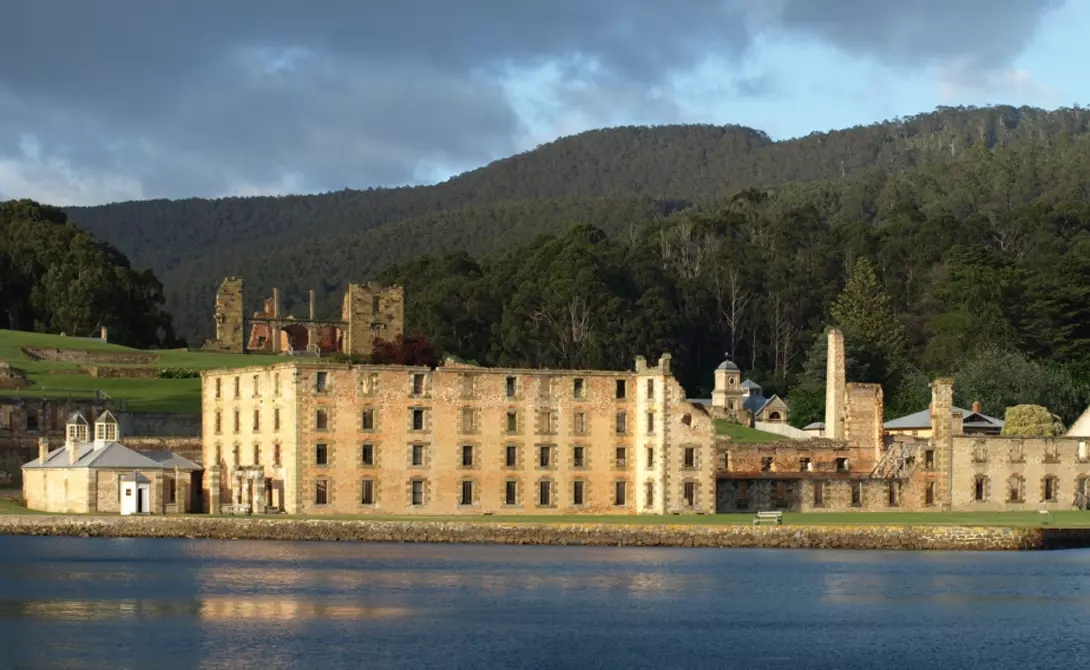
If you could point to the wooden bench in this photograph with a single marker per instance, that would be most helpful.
(762, 517)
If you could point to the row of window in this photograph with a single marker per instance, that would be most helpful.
(255, 425)
(469, 456)
(418, 385)
(468, 493)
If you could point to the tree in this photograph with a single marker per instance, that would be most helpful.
(863, 312)
(403, 350)
(999, 379)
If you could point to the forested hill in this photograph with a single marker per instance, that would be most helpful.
(616, 179)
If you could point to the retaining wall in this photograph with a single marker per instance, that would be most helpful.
(898, 538)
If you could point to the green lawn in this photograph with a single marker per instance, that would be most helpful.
(742, 433)
(14, 507)
(1067, 519)
(148, 395)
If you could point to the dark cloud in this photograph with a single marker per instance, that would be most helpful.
(210, 97)
(987, 33)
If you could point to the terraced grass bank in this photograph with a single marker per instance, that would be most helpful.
(74, 367)
(895, 538)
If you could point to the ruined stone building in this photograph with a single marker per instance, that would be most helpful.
(858, 466)
(93, 472)
(368, 312)
(309, 437)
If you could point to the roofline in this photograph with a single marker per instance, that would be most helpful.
(462, 368)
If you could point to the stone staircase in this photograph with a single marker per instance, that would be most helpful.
(897, 462)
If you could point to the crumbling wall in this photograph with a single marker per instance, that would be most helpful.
(229, 318)
(372, 312)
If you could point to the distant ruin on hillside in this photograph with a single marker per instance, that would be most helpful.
(369, 312)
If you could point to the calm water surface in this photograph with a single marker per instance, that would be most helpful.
(99, 603)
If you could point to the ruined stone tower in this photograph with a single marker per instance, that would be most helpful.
(229, 318)
(372, 311)
(835, 386)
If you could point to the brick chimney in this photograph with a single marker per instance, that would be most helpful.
(976, 407)
(102, 334)
(43, 449)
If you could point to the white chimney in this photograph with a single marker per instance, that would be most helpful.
(43, 449)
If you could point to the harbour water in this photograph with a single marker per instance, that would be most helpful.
(139, 603)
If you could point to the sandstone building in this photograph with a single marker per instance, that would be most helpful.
(858, 466)
(315, 437)
(308, 436)
(93, 473)
(368, 312)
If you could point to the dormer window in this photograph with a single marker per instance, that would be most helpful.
(76, 429)
(106, 428)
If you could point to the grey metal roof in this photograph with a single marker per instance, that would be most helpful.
(113, 455)
(169, 459)
(922, 419)
(727, 365)
(135, 477)
(817, 425)
(707, 402)
(106, 415)
(76, 417)
(750, 384)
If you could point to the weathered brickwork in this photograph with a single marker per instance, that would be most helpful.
(229, 318)
(894, 538)
(459, 440)
(368, 311)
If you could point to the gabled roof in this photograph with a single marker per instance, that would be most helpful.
(1081, 427)
(113, 456)
(750, 384)
(76, 417)
(168, 459)
(107, 415)
(817, 425)
(922, 419)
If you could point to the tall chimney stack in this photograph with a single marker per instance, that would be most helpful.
(102, 334)
(71, 446)
(276, 303)
(312, 310)
(43, 449)
(835, 386)
(976, 407)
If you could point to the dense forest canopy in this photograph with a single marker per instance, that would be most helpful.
(941, 243)
(56, 277)
(611, 178)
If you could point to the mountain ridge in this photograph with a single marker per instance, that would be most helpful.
(191, 243)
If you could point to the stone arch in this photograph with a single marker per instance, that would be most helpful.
(294, 336)
(774, 416)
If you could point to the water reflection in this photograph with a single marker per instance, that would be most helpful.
(90, 603)
(220, 610)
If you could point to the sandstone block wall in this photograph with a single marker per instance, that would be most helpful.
(367, 421)
(890, 538)
(229, 314)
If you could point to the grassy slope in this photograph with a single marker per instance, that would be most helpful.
(742, 433)
(148, 395)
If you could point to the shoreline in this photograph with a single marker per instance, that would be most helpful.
(860, 537)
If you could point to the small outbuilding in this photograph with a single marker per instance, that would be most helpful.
(101, 475)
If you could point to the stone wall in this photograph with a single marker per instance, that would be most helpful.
(910, 538)
(229, 318)
(1010, 473)
(121, 372)
(89, 356)
(372, 311)
(462, 440)
(158, 424)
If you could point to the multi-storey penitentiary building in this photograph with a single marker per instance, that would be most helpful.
(326, 438)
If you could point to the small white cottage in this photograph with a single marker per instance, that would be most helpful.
(104, 476)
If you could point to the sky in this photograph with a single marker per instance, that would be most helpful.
(119, 100)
